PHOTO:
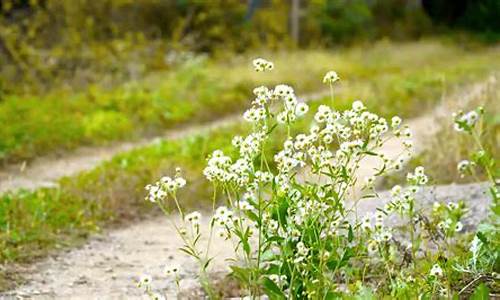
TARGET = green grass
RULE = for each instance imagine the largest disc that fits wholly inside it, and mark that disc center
(34, 223)
(204, 89)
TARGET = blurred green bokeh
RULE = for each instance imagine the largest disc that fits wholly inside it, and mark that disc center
(71, 43)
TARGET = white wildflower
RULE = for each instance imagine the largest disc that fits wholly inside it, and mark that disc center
(157, 296)
(436, 271)
(193, 218)
(145, 281)
(171, 270)
(358, 106)
(330, 77)
(372, 246)
(301, 109)
(395, 122)
(463, 166)
(261, 65)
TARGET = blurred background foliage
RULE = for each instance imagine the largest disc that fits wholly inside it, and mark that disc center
(73, 43)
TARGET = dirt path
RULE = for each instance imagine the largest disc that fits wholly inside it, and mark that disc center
(45, 171)
(108, 266)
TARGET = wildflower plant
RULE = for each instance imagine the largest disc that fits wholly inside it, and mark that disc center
(484, 254)
(292, 213)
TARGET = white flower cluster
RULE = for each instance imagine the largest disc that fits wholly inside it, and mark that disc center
(223, 218)
(221, 169)
(418, 177)
(145, 282)
(448, 217)
(260, 110)
(272, 211)
(356, 131)
(379, 233)
(466, 121)
(463, 166)
(447, 224)
(352, 132)
(262, 65)
(403, 198)
(193, 219)
(160, 190)
(301, 253)
(436, 271)
(172, 270)
(330, 77)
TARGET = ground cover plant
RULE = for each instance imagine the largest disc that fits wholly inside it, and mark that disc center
(291, 212)
(202, 89)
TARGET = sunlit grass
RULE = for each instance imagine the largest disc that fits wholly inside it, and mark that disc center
(204, 89)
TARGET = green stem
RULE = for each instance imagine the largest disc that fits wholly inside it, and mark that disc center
(480, 145)
(331, 94)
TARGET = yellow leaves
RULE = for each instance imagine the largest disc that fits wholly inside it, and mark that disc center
(7, 5)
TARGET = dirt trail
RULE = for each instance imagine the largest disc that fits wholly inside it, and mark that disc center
(45, 171)
(108, 266)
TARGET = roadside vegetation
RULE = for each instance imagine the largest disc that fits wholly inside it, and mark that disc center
(35, 222)
(201, 89)
(98, 73)
(297, 226)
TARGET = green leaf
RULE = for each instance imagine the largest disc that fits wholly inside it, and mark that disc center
(481, 292)
(272, 128)
(243, 274)
(273, 291)
(331, 295)
(246, 246)
(187, 251)
(276, 239)
(482, 237)
(350, 234)
(207, 263)
(252, 216)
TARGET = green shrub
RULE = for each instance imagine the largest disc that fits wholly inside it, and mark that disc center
(106, 125)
